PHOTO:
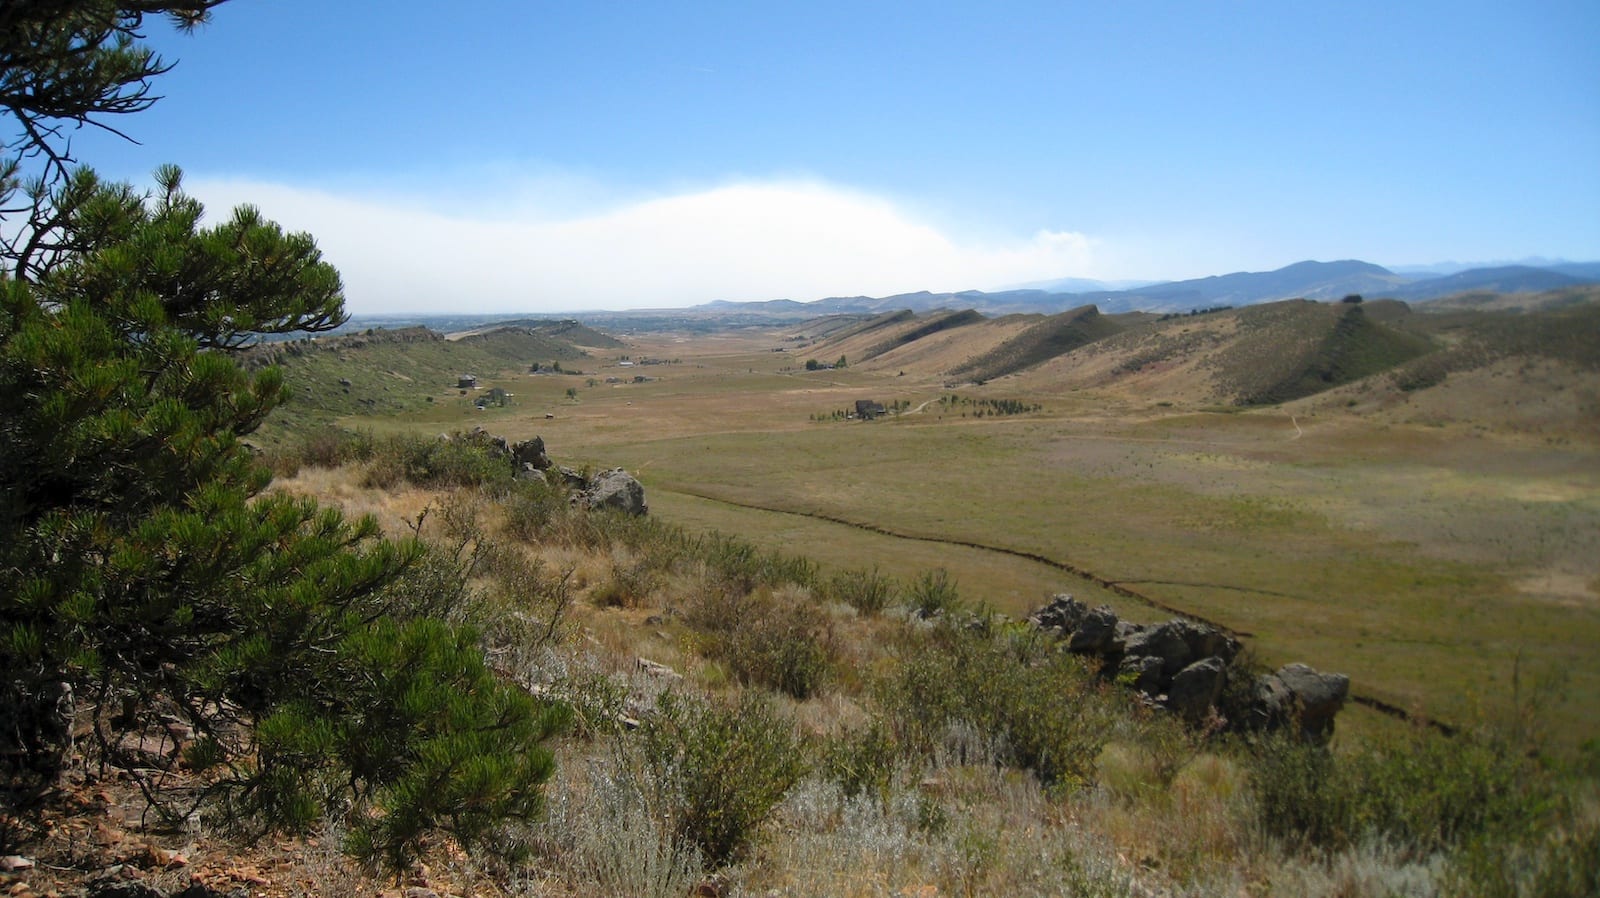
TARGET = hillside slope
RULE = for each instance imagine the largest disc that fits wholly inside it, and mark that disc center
(1054, 336)
(399, 371)
(1256, 355)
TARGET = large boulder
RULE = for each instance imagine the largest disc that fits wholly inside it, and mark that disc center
(616, 489)
(1271, 704)
(1195, 688)
(1205, 640)
(1317, 698)
(530, 452)
(1062, 614)
(1142, 672)
(1165, 641)
(1095, 632)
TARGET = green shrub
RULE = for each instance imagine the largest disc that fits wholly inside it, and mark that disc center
(630, 583)
(534, 510)
(325, 447)
(933, 593)
(723, 769)
(437, 743)
(462, 460)
(1302, 795)
(741, 566)
(862, 761)
(1422, 790)
(1042, 709)
(787, 646)
(868, 591)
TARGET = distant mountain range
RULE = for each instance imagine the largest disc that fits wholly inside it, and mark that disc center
(1302, 280)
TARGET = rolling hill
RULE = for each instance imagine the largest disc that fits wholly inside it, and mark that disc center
(404, 370)
(1255, 355)
(1302, 280)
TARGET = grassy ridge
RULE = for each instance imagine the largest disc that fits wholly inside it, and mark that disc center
(1054, 336)
(936, 324)
(1479, 339)
(1354, 348)
(877, 322)
(384, 374)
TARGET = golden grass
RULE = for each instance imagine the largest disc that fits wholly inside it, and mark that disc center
(1424, 559)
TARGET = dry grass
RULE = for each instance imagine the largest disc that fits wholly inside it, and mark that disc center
(1407, 540)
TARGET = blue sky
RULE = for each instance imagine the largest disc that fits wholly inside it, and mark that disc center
(535, 156)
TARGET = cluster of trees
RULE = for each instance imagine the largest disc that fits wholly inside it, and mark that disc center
(145, 575)
(1209, 310)
(894, 407)
(982, 407)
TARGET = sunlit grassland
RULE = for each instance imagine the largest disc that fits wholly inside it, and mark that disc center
(1402, 556)
(1004, 581)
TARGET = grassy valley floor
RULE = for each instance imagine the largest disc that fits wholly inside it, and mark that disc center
(1446, 568)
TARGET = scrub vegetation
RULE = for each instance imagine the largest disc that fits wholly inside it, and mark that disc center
(358, 656)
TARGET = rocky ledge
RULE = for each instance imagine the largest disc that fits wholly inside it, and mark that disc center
(1188, 668)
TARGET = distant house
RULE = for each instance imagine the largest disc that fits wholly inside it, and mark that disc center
(467, 382)
(867, 409)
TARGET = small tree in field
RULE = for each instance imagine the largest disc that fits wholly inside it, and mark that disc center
(144, 573)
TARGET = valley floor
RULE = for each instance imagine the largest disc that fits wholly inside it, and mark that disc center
(1447, 566)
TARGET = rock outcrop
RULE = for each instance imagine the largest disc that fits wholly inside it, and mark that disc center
(530, 453)
(1186, 667)
(615, 489)
(1314, 698)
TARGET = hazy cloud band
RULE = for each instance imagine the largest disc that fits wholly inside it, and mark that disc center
(799, 240)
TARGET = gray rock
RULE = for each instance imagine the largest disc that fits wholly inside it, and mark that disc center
(1165, 641)
(1271, 704)
(573, 479)
(530, 452)
(657, 670)
(1063, 613)
(616, 489)
(1195, 688)
(1205, 640)
(529, 472)
(1095, 633)
(1317, 697)
(1143, 672)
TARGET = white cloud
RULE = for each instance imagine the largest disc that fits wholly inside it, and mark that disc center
(746, 241)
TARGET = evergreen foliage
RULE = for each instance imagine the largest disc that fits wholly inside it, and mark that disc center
(65, 64)
(145, 575)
